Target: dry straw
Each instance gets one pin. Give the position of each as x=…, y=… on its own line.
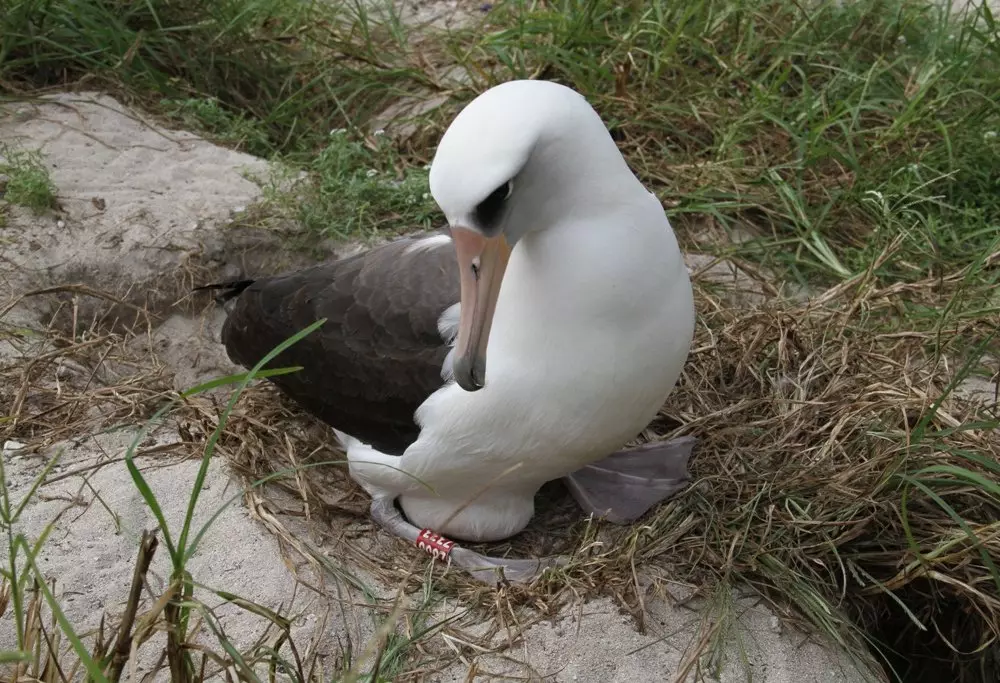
x=838, y=472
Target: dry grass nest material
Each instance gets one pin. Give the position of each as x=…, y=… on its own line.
x=835, y=468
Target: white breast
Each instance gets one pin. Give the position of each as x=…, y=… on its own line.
x=592, y=328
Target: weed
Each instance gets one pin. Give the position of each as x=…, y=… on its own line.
x=27, y=180
x=223, y=126
x=357, y=188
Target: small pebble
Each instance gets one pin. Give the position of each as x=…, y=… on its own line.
x=60, y=224
x=9, y=447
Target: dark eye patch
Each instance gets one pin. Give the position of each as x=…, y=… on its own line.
x=489, y=210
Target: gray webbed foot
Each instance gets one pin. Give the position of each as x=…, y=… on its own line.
x=625, y=485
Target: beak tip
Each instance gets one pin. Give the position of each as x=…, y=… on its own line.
x=469, y=376
x=469, y=386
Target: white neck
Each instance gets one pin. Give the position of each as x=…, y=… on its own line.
x=596, y=276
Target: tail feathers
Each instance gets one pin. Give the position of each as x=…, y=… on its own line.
x=232, y=289
x=347, y=441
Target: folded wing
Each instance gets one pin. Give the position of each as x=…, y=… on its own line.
x=380, y=353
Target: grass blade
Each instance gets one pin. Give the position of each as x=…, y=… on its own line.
x=217, y=433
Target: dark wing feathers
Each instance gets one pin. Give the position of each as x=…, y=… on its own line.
x=379, y=354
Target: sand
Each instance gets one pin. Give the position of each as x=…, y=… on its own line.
x=169, y=199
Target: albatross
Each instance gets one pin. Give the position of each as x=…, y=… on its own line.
x=530, y=341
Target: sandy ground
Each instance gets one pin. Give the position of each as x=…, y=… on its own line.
x=167, y=200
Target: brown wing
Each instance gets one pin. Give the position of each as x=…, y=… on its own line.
x=379, y=354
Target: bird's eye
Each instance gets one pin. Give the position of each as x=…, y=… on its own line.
x=489, y=210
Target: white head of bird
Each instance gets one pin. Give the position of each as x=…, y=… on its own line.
x=518, y=159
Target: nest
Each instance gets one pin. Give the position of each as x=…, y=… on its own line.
x=838, y=472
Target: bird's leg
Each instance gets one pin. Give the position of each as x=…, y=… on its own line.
x=623, y=486
x=482, y=567
x=620, y=488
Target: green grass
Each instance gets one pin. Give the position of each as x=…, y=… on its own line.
x=207, y=115
x=819, y=128
x=27, y=180
x=354, y=189
x=856, y=144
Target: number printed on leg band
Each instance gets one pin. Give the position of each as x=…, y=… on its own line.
x=435, y=545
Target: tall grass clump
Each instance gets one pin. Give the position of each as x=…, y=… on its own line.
x=802, y=122
x=296, y=69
